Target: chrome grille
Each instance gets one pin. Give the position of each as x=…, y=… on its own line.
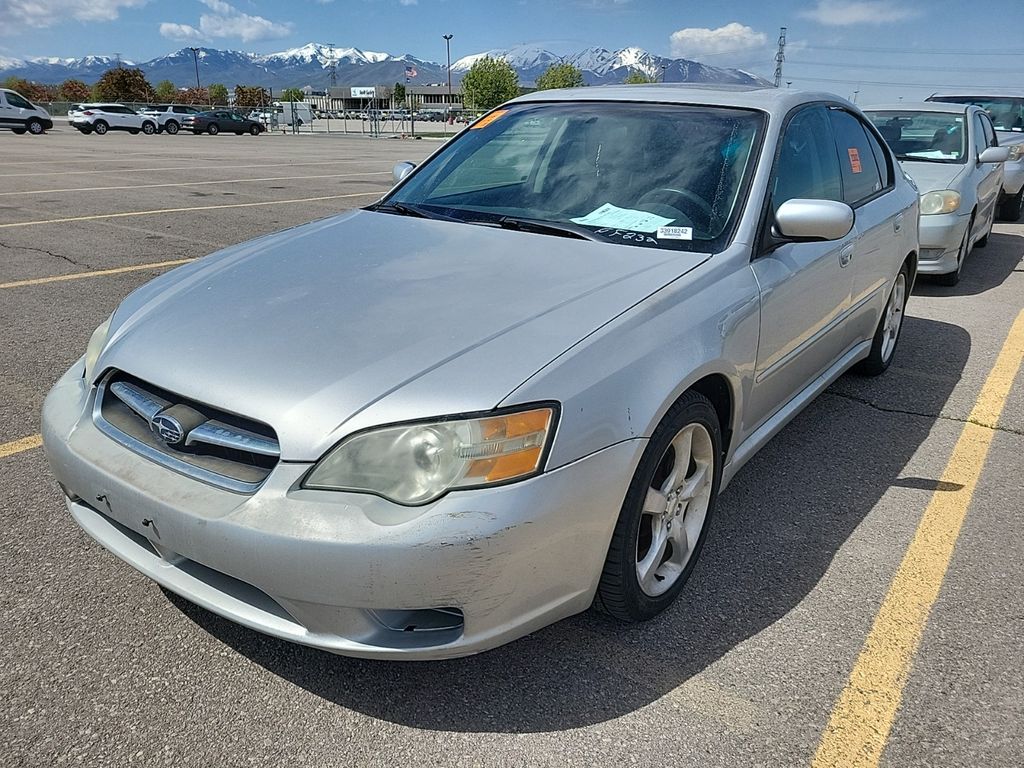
x=211, y=445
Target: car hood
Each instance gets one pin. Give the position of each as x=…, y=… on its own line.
x=933, y=176
x=310, y=328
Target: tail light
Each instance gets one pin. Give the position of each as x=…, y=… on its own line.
x=88, y=113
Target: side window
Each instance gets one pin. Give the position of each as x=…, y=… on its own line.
x=881, y=160
x=807, y=166
x=990, y=133
x=861, y=178
x=17, y=101
x=980, y=140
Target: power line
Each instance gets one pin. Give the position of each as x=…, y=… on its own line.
x=933, y=52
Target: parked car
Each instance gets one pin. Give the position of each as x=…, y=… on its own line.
x=100, y=118
x=19, y=115
x=510, y=389
x=1006, y=109
x=952, y=154
x=217, y=120
x=170, y=116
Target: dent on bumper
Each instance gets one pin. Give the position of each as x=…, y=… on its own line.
x=319, y=568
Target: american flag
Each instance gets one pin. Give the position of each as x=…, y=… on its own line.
x=410, y=72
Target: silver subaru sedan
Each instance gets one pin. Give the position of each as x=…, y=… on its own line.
x=508, y=391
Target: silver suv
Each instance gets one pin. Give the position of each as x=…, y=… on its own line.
x=169, y=117
x=100, y=118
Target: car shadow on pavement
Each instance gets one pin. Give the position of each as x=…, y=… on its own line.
x=986, y=268
x=777, y=529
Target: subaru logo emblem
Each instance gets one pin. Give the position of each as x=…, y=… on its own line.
x=167, y=428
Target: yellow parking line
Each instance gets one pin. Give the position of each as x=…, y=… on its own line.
x=93, y=273
x=17, y=446
x=862, y=718
x=191, y=183
x=184, y=210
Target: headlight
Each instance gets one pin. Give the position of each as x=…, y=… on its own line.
x=97, y=341
x=1016, y=152
x=417, y=463
x=945, y=201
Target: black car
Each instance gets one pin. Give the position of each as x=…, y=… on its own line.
x=217, y=120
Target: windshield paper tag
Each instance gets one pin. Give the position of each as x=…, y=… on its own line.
x=675, y=233
x=609, y=215
x=486, y=120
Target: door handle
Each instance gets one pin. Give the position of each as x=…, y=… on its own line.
x=846, y=256
x=897, y=223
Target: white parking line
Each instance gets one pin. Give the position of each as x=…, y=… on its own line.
x=194, y=167
x=194, y=183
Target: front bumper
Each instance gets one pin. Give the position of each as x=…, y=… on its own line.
x=348, y=573
x=941, y=236
x=1013, y=178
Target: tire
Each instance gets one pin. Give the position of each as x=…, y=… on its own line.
x=650, y=540
x=198, y=133
x=981, y=242
x=298, y=122
x=213, y=129
x=952, y=278
x=18, y=131
x=149, y=128
x=133, y=131
x=1012, y=208
x=35, y=127
x=239, y=133
x=887, y=335
x=172, y=127
x=254, y=130
x=100, y=127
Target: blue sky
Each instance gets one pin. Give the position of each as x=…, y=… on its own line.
x=883, y=49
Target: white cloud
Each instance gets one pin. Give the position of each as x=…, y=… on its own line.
x=408, y=2
x=226, y=21
x=698, y=41
x=46, y=13
x=845, y=13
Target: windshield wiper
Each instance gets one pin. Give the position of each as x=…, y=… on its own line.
x=558, y=229
x=404, y=209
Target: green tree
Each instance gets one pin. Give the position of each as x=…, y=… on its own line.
x=166, y=90
x=293, y=94
x=560, y=76
x=399, y=93
x=638, y=77
x=73, y=90
x=218, y=93
x=490, y=82
x=192, y=96
x=251, y=96
x=19, y=84
x=122, y=84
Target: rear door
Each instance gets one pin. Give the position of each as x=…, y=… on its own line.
x=989, y=175
x=8, y=116
x=805, y=287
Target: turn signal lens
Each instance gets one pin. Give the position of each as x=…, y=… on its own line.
x=418, y=463
x=945, y=201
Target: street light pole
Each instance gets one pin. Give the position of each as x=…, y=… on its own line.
x=195, y=56
x=448, y=54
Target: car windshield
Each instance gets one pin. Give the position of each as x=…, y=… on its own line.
x=1007, y=113
x=937, y=137
x=658, y=175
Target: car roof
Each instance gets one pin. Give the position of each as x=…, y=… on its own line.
x=766, y=98
x=921, y=106
x=981, y=93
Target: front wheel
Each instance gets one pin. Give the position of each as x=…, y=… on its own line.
x=171, y=127
x=254, y=130
x=35, y=127
x=1013, y=207
x=18, y=131
x=664, y=518
x=213, y=129
x=887, y=335
x=148, y=128
x=952, y=278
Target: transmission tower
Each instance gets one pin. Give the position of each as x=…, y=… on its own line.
x=780, y=56
x=332, y=67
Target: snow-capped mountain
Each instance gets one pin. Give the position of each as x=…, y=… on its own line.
x=311, y=64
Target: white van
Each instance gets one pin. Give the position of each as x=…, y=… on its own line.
x=18, y=114
x=300, y=109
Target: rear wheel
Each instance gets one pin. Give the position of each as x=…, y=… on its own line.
x=149, y=128
x=664, y=517
x=100, y=127
x=35, y=127
x=213, y=129
x=1013, y=207
x=887, y=335
x=254, y=130
x=172, y=127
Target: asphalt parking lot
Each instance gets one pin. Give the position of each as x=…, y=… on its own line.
x=98, y=666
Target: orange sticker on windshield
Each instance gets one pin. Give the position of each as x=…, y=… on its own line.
x=854, y=160
x=483, y=122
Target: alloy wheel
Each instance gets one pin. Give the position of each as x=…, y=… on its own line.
x=894, y=316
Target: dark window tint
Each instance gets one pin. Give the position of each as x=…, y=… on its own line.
x=807, y=166
x=17, y=101
x=881, y=159
x=990, y=134
x=860, y=172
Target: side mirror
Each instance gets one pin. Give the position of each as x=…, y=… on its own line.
x=401, y=170
x=994, y=155
x=814, y=220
